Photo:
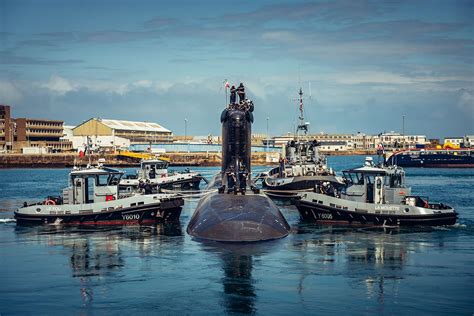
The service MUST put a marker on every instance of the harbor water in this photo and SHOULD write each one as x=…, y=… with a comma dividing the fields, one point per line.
x=317, y=269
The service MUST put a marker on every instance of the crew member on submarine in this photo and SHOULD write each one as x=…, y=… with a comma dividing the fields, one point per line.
x=246, y=217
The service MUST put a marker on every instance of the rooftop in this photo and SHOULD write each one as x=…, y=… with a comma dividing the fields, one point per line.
x=133, y=126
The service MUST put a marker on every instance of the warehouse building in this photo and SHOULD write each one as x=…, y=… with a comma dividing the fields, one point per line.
x=136, y=132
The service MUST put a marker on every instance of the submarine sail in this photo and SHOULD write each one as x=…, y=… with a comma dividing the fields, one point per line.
x=238, y=212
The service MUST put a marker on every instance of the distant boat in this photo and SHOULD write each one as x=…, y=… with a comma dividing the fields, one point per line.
x=432, y=158
x=157, y=173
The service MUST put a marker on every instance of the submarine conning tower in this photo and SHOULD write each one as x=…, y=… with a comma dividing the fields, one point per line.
x=236, y=122
x=231, y=214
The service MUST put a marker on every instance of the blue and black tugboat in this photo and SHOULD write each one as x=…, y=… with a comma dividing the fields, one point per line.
x=432, y=158
x=236, y=211
x=372, y=195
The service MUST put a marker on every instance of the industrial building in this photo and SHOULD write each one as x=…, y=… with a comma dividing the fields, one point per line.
x=20, y=133
x=101, y=143
x=136, y=132
x=6, y=125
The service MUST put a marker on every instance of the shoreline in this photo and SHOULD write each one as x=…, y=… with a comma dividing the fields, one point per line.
x=68, y=160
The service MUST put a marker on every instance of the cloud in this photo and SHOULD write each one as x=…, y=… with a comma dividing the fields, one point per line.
x=9, y=92
x=329, y=11
x=466, y=103
x=160, y=22
x=8, y=58
x=59, y=85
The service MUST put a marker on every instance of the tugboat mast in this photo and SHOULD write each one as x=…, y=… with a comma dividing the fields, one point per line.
x=302, y=125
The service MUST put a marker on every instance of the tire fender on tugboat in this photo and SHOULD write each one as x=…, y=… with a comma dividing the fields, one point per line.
x=49, y=202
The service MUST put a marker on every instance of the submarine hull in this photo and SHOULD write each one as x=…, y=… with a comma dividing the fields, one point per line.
x=237, y=218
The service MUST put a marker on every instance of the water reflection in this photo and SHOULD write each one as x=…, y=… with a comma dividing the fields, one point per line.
x=99, y=252
x=239, y=294
x=370, y=258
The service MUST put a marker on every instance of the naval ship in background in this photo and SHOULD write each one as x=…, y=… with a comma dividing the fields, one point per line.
x=303, y=167
x=432, y=158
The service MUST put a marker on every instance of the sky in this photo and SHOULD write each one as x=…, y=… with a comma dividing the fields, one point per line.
x=363, y=65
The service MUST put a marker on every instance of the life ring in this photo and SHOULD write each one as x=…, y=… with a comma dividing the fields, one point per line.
x=49, y=202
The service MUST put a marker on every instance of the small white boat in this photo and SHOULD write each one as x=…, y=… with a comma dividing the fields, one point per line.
x=156, y=172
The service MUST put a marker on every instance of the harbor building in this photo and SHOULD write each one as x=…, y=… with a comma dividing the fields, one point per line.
x=6, y=128
x=394, y=140
x=335, y=145
x=101, y=143
x=329, y=142
x=364, y=142
x=454, y=142
x=29, y=134
x=359, y=141
x=469, y=141
x=135, y=132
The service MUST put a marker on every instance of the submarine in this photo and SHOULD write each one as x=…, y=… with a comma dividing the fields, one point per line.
x=237, y=211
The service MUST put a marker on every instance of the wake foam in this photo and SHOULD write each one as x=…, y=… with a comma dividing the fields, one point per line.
x=7, y=220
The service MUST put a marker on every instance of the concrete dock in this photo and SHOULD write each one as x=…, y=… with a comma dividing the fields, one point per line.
x=65, y=160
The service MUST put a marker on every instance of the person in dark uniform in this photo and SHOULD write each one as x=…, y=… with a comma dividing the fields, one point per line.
x=141, y=185
x=233, y=95
x=231, y=180
x=282, y=167
x=243, y=180
x=152, y=173
x=241, y=92
x=148, y=189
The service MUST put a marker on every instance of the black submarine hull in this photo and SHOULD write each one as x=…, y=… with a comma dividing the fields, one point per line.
x=237, y=218
x=237, y=212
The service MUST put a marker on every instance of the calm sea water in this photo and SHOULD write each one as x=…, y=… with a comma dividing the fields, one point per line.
x=315, y=270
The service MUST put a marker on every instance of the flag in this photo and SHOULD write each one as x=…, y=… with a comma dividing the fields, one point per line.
x=226, y=84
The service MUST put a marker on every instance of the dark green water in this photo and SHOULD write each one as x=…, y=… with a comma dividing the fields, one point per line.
x=315, y=270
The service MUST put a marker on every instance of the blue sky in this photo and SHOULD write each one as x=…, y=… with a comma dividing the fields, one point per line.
x=368, y=62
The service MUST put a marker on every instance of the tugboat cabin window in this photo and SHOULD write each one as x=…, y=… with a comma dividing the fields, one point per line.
x=107, y=179
x=102, y=180
x=394, y=181
x=348, y=177
x=359, y=177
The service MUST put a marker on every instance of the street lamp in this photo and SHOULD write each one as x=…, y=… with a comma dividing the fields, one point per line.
x=403, y=130
x=185, y=129
x=267, y=132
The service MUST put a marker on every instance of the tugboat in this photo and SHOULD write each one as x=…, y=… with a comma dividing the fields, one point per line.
x=157, y=173
x=93, y=198
x=303, y=168
x=372, y=195
x=432, y=158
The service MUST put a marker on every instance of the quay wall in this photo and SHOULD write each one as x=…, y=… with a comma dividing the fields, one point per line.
x=64, y=160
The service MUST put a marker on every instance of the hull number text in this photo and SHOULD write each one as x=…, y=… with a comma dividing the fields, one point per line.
x=131, y=217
